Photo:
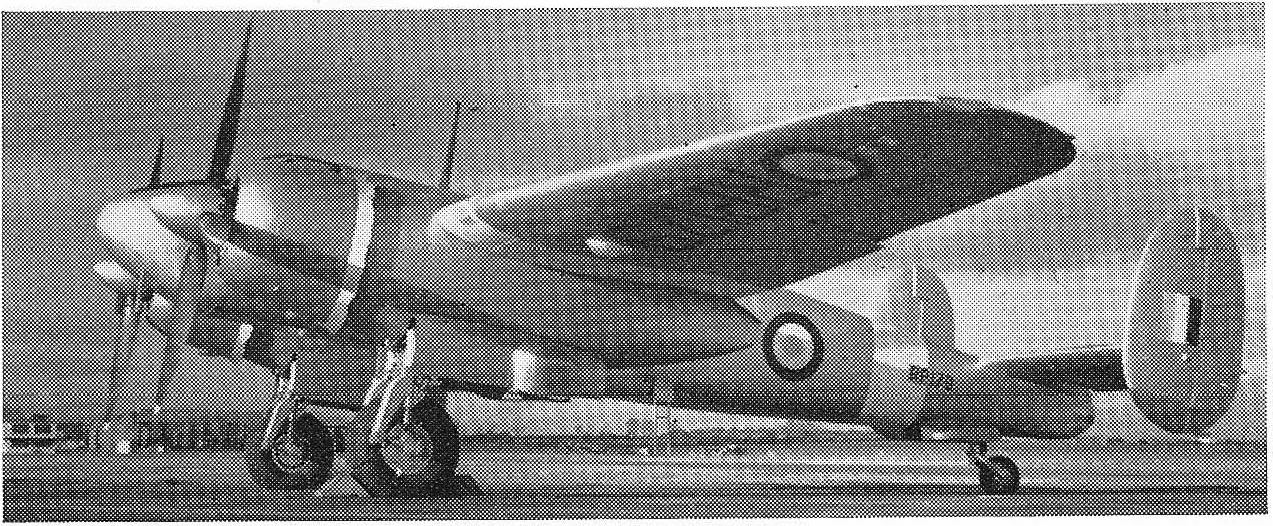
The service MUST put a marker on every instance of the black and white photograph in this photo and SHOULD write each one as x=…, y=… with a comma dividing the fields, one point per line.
x=633, y=263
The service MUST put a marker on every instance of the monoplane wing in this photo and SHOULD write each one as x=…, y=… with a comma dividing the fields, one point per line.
x=773, y=205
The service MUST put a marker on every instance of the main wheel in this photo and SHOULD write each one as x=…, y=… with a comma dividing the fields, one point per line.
x=416, y=458
x=999, y=476
x=299, y=456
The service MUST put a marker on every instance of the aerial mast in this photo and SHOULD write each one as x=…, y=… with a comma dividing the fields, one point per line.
x=449, y=163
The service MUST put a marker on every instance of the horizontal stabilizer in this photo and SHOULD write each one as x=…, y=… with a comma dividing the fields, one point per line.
x=1095, y=367
x=1181, y=355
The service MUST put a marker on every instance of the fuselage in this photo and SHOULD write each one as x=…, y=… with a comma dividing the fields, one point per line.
x=482, y=302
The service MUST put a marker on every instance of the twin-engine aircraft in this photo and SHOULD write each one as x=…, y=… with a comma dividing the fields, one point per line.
x=657, y=279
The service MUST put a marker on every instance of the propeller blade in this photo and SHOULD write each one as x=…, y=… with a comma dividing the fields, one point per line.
x=157, y=172
x=230, y=200
x=230, y=119
x=193, y=272
x=122, y=303
x=133, y=311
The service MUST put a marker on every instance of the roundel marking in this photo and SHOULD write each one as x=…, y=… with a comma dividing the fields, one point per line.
x=793, y=346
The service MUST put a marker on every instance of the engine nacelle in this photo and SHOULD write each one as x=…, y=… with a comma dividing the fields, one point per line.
x=300, y=249
x=211, y=335
x=1182, y=351
x=219, y=336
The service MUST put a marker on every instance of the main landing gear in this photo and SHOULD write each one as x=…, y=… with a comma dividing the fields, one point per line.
x=298, y=456
x=997, y=474
x=296, y=451
x=401, y=443
x=415, y=455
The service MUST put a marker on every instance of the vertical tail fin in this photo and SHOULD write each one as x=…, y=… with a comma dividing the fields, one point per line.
x=916, y=316
x=1182, y=347
x=1181, y=354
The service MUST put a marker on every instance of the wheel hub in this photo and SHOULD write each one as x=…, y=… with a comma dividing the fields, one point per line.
x=287, y=453
x=998, y=476
x=408, y=449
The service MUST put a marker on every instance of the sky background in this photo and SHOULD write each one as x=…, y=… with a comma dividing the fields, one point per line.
x=1166, y=100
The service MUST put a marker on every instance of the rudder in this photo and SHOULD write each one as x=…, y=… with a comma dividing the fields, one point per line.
x=1182, y=346
x=916, y=316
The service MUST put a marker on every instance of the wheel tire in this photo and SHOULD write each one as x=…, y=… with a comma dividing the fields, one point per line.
x=311, y=462
x=433, y=471
x=999, y=476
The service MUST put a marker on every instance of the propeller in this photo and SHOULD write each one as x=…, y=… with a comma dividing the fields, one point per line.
x=194, y=265
x=224, y=147
x=158, y=170
x=132, y=300
x=131, y=308
x=193, y=273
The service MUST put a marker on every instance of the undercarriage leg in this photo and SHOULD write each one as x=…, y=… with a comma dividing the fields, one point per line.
x=403, y=442
x=296, y=450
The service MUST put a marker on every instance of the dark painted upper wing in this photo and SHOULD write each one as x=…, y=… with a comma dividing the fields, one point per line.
x=773, y=205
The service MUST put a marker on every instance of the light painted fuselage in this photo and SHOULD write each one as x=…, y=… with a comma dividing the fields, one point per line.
x=373, y=264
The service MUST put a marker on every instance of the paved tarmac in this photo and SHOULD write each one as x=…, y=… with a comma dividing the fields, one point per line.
x=870, y=480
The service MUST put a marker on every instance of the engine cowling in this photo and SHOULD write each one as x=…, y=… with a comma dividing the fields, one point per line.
x=299, y=249
x=211, y=335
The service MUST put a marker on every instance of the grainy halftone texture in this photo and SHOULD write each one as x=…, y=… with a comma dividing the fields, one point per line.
x=1165, y=103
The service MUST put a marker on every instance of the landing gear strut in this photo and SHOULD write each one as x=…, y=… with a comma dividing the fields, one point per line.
x=415, y=457
x=403, y=442
x=997, y=474
x=296, y=451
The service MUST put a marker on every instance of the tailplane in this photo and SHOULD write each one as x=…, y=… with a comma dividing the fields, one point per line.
x=1181, y=355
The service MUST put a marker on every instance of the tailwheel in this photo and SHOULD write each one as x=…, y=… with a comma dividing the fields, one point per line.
x=417, y=456
x=298, y=456
x=997, y=474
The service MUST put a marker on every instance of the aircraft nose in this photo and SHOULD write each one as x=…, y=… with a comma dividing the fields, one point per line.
x=138, y=242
